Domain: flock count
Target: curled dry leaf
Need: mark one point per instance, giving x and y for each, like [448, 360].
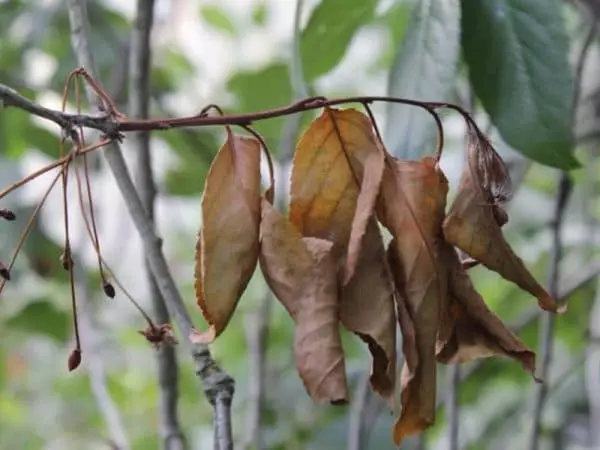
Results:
[367, 309]
[301, 272]
[412, 203]
[473, 225]
[227, 246]
[336, 175]
[470, 329]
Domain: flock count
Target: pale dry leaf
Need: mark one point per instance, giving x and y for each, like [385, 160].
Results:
[336, 174]
[367, 309]
[412, 203]
[227, 245]
[301, 272]
[473, 225]
[475, 330]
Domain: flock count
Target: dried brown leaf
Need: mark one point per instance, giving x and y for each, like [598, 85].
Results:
[336, 175]
[412, 203]
[473, 225]
[227, 246]
[301, 272]
[367, 309]
[474, 330]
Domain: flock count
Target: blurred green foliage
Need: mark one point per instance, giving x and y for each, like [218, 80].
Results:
[44, 406]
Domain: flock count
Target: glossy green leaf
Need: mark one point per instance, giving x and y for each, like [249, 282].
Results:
[424, 69]
[329, 32]
[516, 51]
[216, 17]
[41, 317]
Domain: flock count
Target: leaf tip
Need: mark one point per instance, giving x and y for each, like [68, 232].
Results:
[207, 337]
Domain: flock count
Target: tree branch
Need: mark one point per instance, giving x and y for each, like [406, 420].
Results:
[218, 386]
[548, 320]
[139, 94]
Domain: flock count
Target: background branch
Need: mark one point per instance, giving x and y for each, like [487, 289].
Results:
[548, 319]
[91, 341]
[218, 386]
[139, 94]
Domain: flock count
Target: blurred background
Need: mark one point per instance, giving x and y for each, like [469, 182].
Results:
[247, 55]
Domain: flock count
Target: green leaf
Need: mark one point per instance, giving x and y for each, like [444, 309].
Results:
[262, 89]
[260, 13]
[329, 31]
[215, 16]
[196, 150]
[424, 69]
[516, 51]
[41, 317]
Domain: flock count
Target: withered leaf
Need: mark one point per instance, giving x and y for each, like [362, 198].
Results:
[474, 330]
[227, 245]
[336, 176]
[412, 203]
[301, 272]
[473, 225]
[367, 309]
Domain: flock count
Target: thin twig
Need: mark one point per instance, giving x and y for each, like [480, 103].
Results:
[95, 366]
[548, 320]
[218, 386]
[452, 405]
[256, 325]
[139, 94]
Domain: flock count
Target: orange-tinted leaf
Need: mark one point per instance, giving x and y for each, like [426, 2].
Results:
[301, 272]
[475, 331]
[336, 175]
[227, 246]
[367, 309]
[473, 225]
[412, 202]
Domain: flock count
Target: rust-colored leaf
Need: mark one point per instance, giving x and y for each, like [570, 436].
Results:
[301, 272]
[227, 246]
[412, 203]
[367, 309]
[473, 225]
[405, 321]
[336, 175]
[474, 330]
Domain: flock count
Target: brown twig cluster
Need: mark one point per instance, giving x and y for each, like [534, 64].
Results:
[327, 262]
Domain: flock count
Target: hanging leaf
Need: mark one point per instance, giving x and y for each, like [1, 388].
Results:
[412, 203]
[301, 272]
[227, 246]
[517, 53]
[336, 175]
[329, 31]
[424, 69]
[367, 309]
[473, 225]
[473, 330]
